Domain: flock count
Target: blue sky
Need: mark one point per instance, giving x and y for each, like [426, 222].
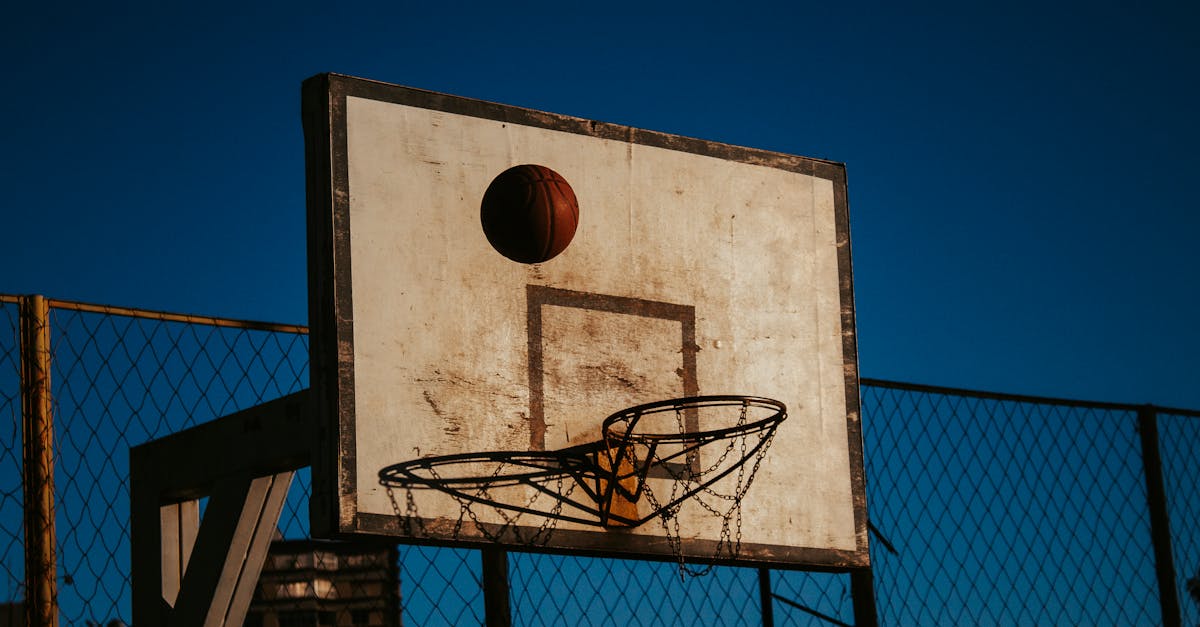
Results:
[1020, 176]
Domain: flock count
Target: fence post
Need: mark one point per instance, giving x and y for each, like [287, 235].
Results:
[495, 588]
[764, 597]
[862, 591]
[1160, 523]
[37, 436]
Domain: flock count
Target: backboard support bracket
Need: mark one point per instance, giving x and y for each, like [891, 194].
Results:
[190, 570]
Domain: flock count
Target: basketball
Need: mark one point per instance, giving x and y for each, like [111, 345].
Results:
[529, 213]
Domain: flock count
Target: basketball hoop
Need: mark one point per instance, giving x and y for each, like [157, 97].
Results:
[647, 455]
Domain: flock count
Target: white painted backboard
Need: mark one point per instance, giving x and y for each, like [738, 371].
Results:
[697, 268]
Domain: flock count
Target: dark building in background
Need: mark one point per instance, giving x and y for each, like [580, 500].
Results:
[12, 614]
[308, 583]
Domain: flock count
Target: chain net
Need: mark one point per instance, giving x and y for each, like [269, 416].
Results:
[985, 509]
[522, 495]
[651, 463]
[694, 464]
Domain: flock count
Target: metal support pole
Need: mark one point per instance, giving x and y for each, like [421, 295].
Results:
[495, 588]
[764, 597]
[1160, 524]
[862, 589]
[37, 436]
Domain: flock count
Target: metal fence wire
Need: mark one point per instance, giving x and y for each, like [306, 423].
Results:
[12, 502]
[1179, 435]
[1007, 511]
[985, 508]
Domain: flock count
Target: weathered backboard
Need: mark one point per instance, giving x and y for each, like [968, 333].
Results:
[697, 268]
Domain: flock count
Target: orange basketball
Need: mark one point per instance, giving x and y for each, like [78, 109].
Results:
[529, 213]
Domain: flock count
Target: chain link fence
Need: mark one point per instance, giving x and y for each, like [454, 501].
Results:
[1179, 434]
[985, 508]
[12, 501]
[1007, 511]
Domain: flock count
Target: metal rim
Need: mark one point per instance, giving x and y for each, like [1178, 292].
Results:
[531, 467]
[633, 415]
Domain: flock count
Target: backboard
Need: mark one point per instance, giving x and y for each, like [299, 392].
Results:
[696, 268]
